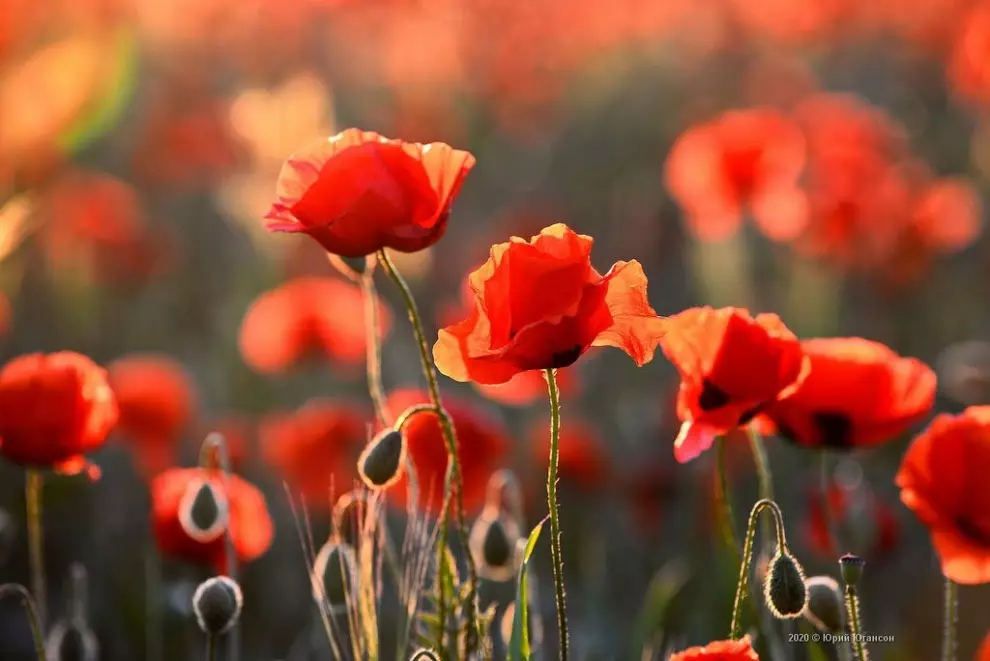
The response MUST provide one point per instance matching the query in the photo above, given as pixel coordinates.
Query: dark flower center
(205, 510)
(973, 531)
(712, 397)
(835, 429)
(567, 357)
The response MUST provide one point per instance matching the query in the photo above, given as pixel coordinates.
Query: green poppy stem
(860, 652)
(764, 476)
(374, 354)
(555, 548)
(31, 610)
(951, 618)
(36, 540)
(742, 585)
(723, 498)
(211, 647)
(453, 486)
(827, 514)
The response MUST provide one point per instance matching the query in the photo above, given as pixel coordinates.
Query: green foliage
(519, 646)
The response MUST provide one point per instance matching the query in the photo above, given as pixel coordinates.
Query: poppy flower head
(482, 441)
(720, 650)
(304, 317)
(193, 507)
(732, 367)
(54, 408)
(859, 393)
(155, 396)
(358, 192)
(315, 448)
(743, 161)
(942, 479)
(541, 304)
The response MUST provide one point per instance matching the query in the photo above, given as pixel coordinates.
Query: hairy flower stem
(36, 540)
(211, 647)
(555, 550)
(372, 325)
(723, 499)
(855, 624)
(742, 586)
(951, 617)
(31, 610)
(763, 473)
(453, 483)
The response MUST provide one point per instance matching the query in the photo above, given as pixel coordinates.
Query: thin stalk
(453, 482)
(152, 592)
(764, 476)
(213, 454)
(555, 548)
(36, 540)
(855, 624)
(31, 610)
(826, 485)
(742, 586)
(211, 647)
(723, 499)
(951, 618)
(374, 351)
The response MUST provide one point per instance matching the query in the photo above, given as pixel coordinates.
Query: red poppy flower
(359, 192)
(582, 460)
(156, 398)
(859, 393)
(859, 514)
(525, 388)
(315, 448)
(969, 63)
(943, 481)
(732, 366)
(541, 304)
(54, 408)
(305, 317)
(240, 505)
(482, 441)
(743, 161)
(983, 654)
(720, 650)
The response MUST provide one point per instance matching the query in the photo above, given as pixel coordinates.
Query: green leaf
(664, 587)
(519, 649)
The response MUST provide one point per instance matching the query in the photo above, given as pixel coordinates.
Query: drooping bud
(851, 567)
(334, 575)
(217, 604)
(380, 465)
(493, 544)
(72, 640)
(825, 605)
(203, 511)
(349, 514)
(784, 590)
(504, 493)
(424, 655)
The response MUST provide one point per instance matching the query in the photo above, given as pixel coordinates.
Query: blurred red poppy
(943, 481)
(969, 62)
(526, 388)
(483, 444)
(859, 394)
(732, 366)
(6, 314)
(859, 514)
(315, 448)
(719, 650)
(541, 305)
(358, 192)
(306, 317)
(54, 408)
(983, 654)
(239, 505)
(646, 490)
(582, 462)
(156, 398)
(745, 161)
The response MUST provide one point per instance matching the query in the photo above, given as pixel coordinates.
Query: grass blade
(519, 649)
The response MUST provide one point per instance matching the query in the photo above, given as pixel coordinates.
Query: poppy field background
(823, 160)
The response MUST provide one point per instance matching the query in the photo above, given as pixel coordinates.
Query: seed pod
(334, 575)
(493, 544)
(203, 511)
(784, 590)
(72, 640)
(380, 464)
(217, 604)
(825, 605)
(851, 567)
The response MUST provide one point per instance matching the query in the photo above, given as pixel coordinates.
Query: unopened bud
(380, 464)
(784, 590)
(424, 655)
(217, 604)
(825, 605)
(72, 641)
(493, 545)
(334, 575)
(349, 513)
(203, 511)
(851, 567)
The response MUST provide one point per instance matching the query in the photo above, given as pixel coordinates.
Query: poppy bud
(493, 545)
(72, 641)
(424, 655)
(851, 567)
(334, 574)
(825, 606)
(381, 462)
(784, 590)
(349, 514)
(217, 604)
(203, 511)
